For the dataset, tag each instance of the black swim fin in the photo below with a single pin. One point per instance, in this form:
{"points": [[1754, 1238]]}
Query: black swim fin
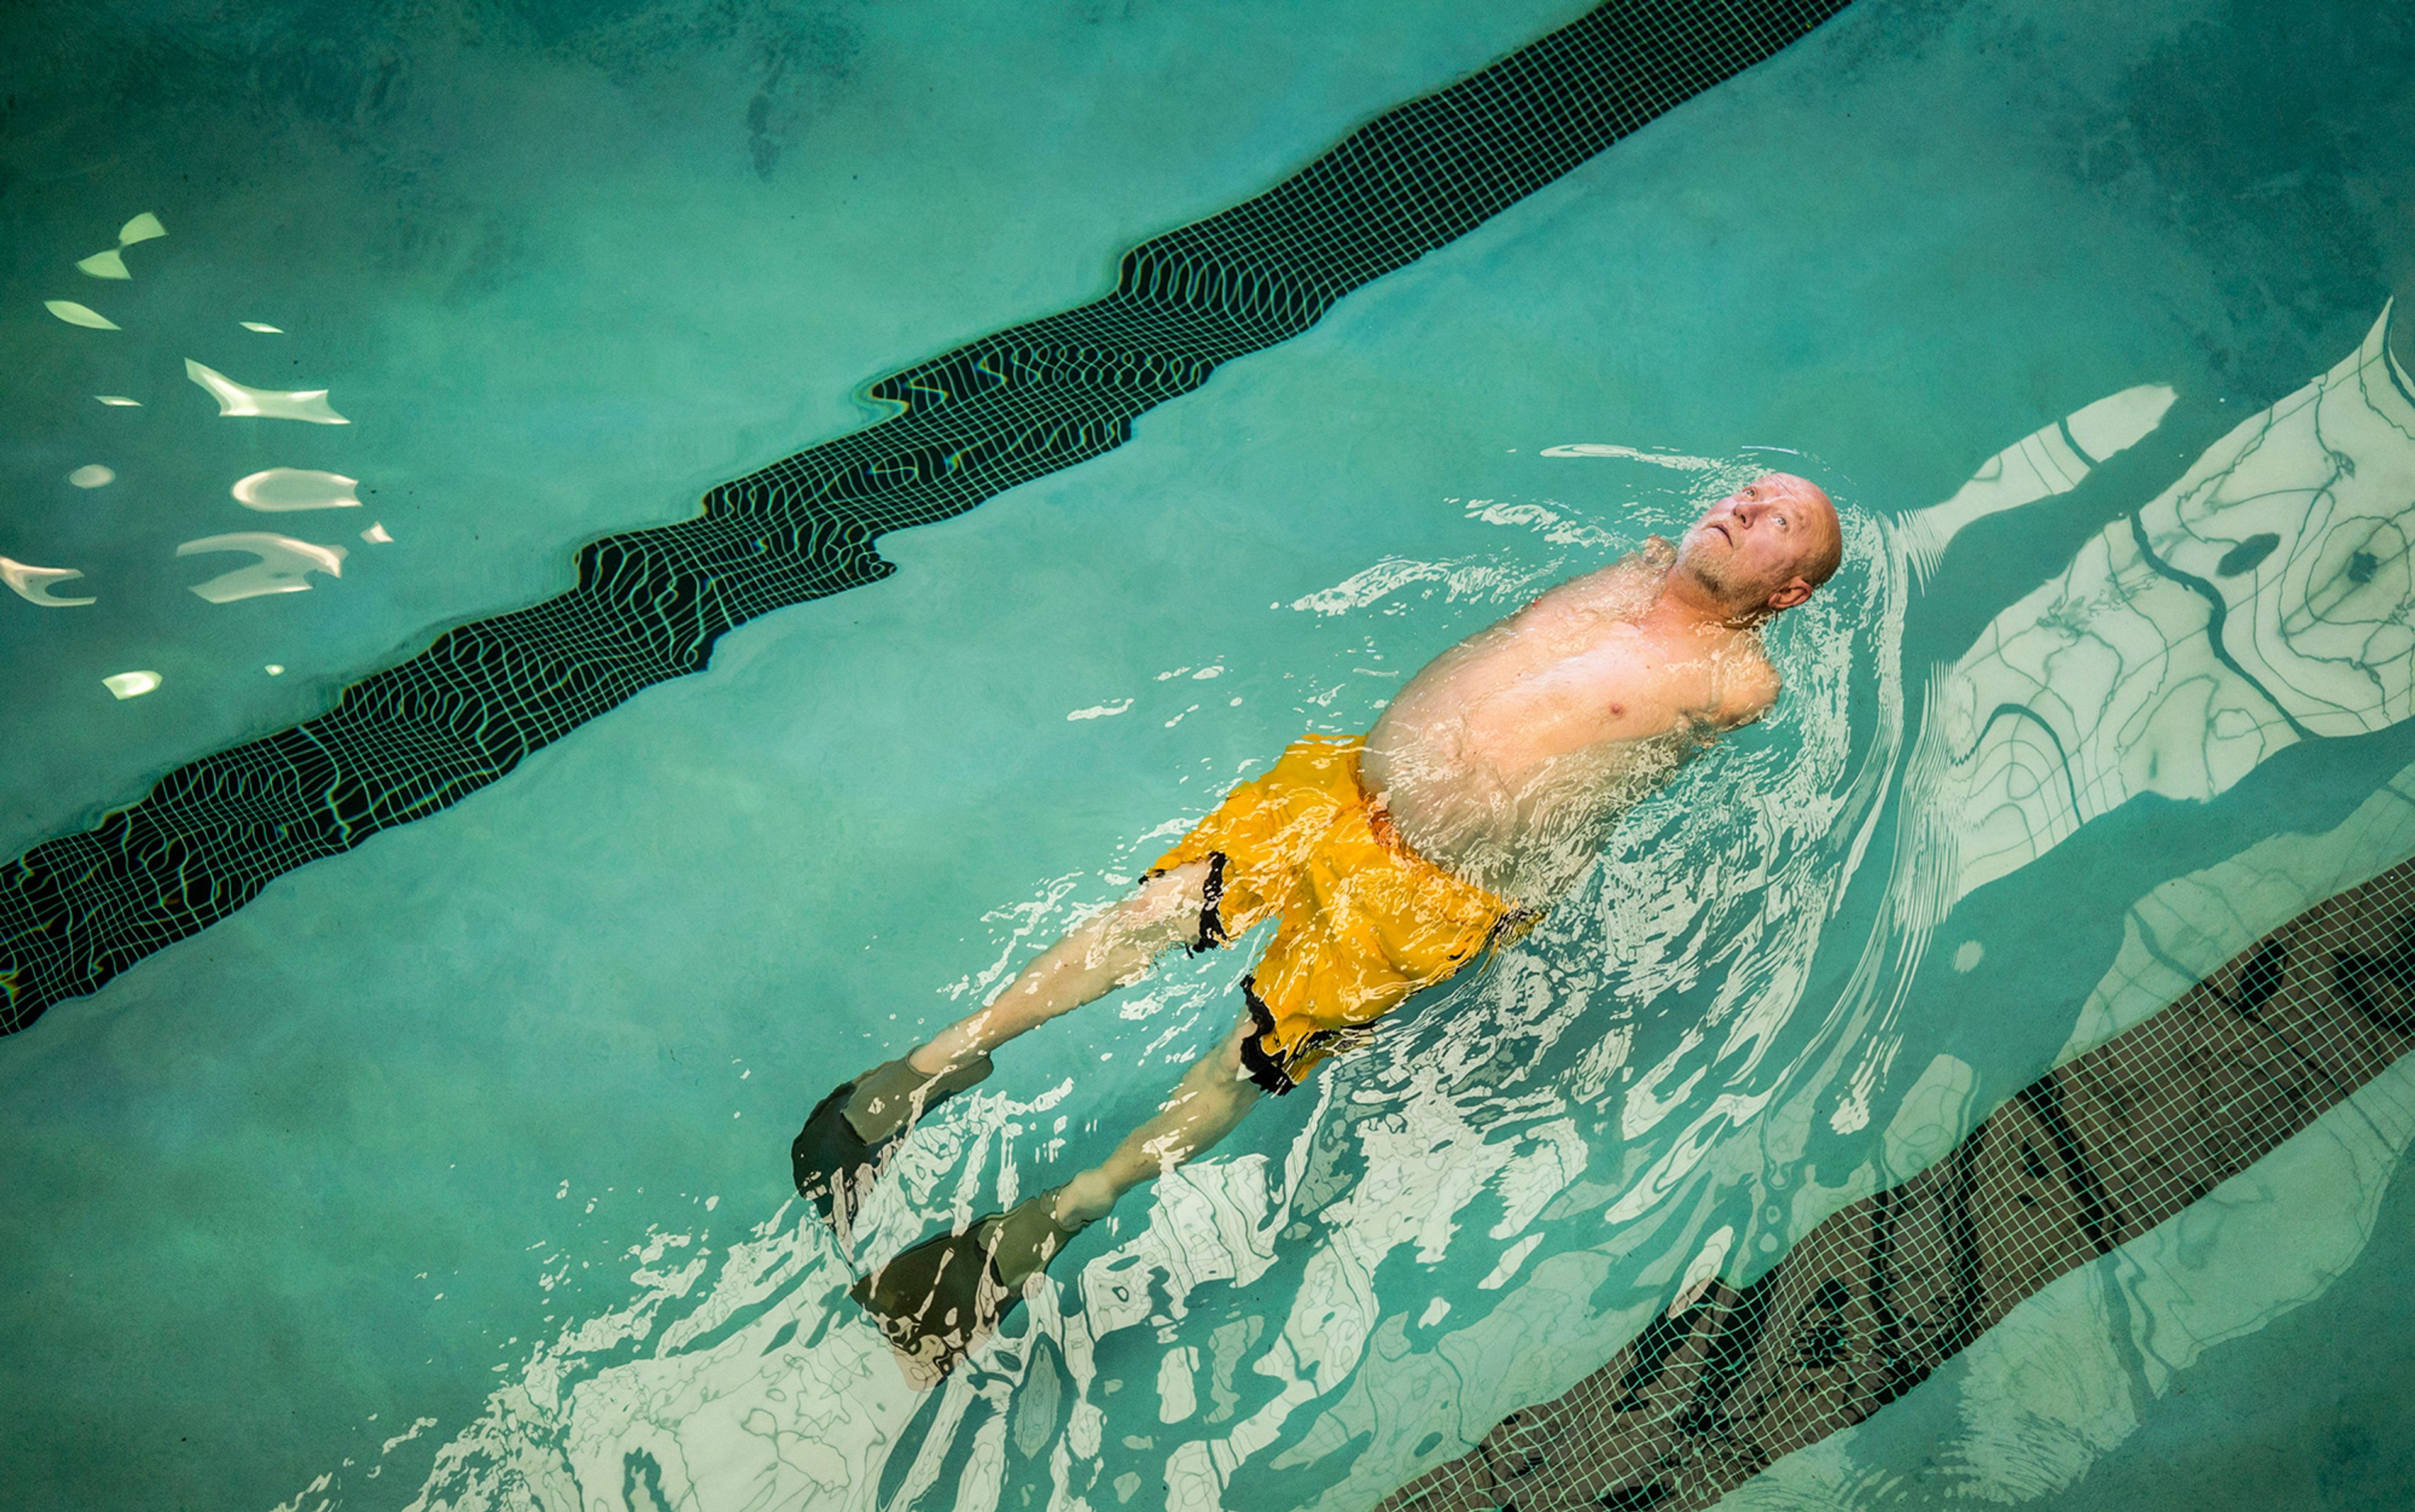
{"points": [[836, 1156], [936, 1301]]}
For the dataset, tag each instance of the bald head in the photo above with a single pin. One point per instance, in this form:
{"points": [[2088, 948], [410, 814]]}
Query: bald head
{"points": [[1765, 546]]}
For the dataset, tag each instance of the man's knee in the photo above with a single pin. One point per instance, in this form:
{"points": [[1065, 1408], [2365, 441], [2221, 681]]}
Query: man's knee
{"points": [[1175, 904], [1186, 882]]}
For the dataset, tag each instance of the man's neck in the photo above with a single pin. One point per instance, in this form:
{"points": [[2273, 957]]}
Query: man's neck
{"points": [[1687, 606]]}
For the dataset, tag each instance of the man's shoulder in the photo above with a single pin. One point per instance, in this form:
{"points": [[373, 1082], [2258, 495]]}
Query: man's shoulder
{"points": [[1750, 684]]}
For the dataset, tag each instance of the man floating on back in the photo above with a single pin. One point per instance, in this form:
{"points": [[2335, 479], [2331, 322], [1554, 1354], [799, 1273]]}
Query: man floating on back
{"points": [[1485, 789]]}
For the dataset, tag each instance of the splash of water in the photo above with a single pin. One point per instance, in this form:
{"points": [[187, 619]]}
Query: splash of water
{"points": [[1677, 461]]}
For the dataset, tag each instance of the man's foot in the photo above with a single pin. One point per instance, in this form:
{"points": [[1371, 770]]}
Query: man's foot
{"points": [[938, 1299], [837, 1155]]}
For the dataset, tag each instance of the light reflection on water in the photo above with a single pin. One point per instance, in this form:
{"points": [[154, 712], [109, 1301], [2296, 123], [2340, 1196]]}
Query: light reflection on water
{"points": [[285, 489], [80, 314], [284, 565], [112, 264], [235, 399], [34, 584], [2069, 1374]]}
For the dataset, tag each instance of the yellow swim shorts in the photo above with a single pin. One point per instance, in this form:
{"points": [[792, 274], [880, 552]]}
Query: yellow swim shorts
{"points": [[1367, 922]]}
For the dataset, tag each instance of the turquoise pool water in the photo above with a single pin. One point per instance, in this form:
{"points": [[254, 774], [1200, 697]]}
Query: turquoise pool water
{"points": [[449, 1172]]}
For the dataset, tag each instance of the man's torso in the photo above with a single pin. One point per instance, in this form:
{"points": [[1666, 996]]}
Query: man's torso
{"points": [[1506, 760]]}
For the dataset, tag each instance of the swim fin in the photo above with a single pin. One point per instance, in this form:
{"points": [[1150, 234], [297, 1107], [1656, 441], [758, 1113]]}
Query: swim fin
{"points": [[836, 1156], [939, 1299]]}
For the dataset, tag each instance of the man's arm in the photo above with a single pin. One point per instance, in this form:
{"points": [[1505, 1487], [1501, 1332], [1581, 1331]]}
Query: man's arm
{"points": [[1747, 691]]}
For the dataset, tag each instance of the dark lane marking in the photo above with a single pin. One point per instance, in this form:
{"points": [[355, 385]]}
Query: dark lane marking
{"points": [[1004, 410], [2044, 1098]]}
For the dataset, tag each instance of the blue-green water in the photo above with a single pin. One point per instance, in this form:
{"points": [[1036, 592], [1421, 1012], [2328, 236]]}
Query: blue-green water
{"points": [[473, 1139]]}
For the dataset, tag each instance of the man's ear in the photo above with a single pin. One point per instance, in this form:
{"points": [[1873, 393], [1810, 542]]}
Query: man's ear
{"points": [[1792, 594]]}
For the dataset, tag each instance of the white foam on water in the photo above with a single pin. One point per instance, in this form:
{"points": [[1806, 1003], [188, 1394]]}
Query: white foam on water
{"points": [[283, 567], [1676, 461], [289, 489], [238, 399]]}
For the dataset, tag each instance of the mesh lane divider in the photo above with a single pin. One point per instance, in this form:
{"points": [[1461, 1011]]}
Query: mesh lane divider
{"points": [[1881, 1293], [1008, 408]]}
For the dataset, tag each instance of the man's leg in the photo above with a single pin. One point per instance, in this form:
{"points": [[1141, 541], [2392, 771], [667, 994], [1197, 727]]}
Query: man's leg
{"points": [[1212, 1096], [937, 1299], [835, 1156], [1108, 951]]}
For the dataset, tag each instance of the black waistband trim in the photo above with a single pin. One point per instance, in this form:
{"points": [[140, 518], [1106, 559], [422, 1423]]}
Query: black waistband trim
{"points": [[1268, 1072], [1211, 924]]}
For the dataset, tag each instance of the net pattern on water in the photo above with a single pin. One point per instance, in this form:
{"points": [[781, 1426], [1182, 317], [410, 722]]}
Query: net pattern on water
{"points": [[1876, 1296], [649, 605]]}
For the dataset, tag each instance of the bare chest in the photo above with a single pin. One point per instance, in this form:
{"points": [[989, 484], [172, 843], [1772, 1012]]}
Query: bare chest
{"points": [[1618, 683]]}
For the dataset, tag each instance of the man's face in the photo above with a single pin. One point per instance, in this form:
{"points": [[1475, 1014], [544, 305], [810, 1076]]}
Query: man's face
{"points": [[1761, 546]]}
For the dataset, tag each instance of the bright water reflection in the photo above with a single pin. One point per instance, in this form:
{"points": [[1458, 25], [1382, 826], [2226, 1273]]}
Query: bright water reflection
{"points": [[112, 264], [284, 565], [32, 584], [77, 314], [284, 489], [238, 399]]}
